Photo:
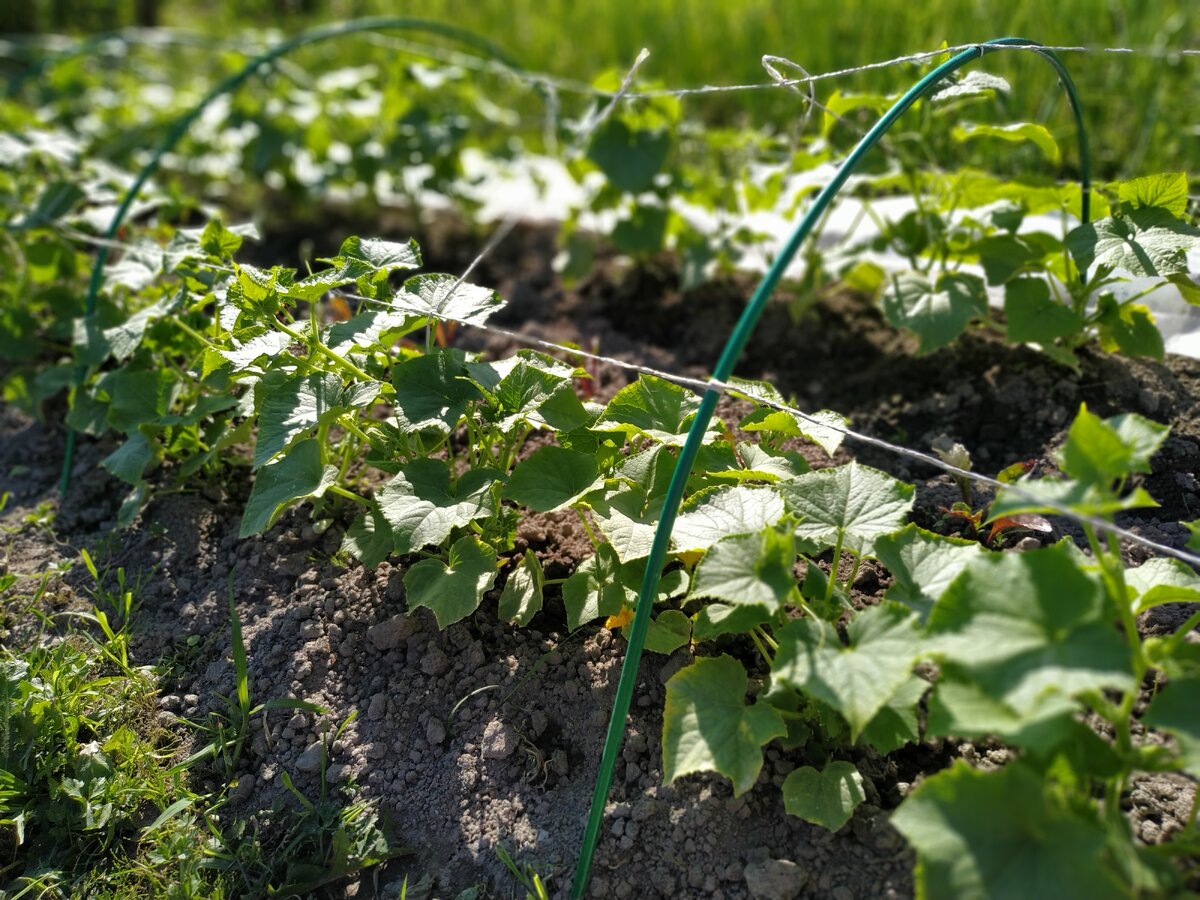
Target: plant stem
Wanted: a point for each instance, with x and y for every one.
(831, 583)
(759, 644)
(588, 528)
(349, 495)
(193, 333)
(316, 345)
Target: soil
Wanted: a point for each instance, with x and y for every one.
(485, 734)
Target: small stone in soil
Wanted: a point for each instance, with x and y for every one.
(775, 879)
(499, 741)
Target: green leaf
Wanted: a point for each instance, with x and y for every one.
(1168, 190)
(937, 314)
(360, 257)
(856, 680)
(453, 589)
(851, 503)
(423, 507)
(751, 573)
(961, 707)
(653, 407)
(138, 397)
(1162, 580)
(751, 462)
(297, 475)
(1173, 710)
(1002, 834)
(1017, 132)
(1102, 451)
(217, 240)
(642, 232)
(1146, 242)
(292, 406)
(896, 724)
(723, 511)
(522, 595)
(1005, 255)
(125, 338)
(827, 798)
(595, 589)
(974, 85)
(1028, 628)
(432, 391)
(552, 478)
(129, 461)
(446, 297)
(1048, 496)
(668, 631)
(923, 565)
(370, 539)
(707, 726)
(627, 519)
(825, 427)
(1128, 328)
(1032, 315)
(55, 201)
(629, 158)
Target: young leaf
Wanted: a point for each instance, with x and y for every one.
(668, 631)
(1174, 710)
(653, 407)
(856, 680)
(370, 539)
(1128, 328)
(1147, 243)
(896, 725)
(1037, 495)
(751, 573)
(1018, 132)
(1002, 834)
(444, 296)
(724, 511)
(707, 726)
(1168, 190)
(138, 397)
(827, 798)
(1027, 627)
(1163, 580)
(552, 478)
(595, 589)
(1099, 452)
(824, 427)
(291, 406)
(629, 157)
(297, 475)
(627, 519)
(129, 461)
(423, 508)
(453, 589)
(359, 257)
(936, 313)
(1033, 316)
(961, 707)
(851, 503)
(522, 595)
(923, 565)
(432, 391)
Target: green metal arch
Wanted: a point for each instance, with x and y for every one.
(724, 368)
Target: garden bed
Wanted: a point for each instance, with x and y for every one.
(484, 734)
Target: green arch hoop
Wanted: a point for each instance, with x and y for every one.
(724, 368)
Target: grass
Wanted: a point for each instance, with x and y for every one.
(95, 802)
(1141, 110)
